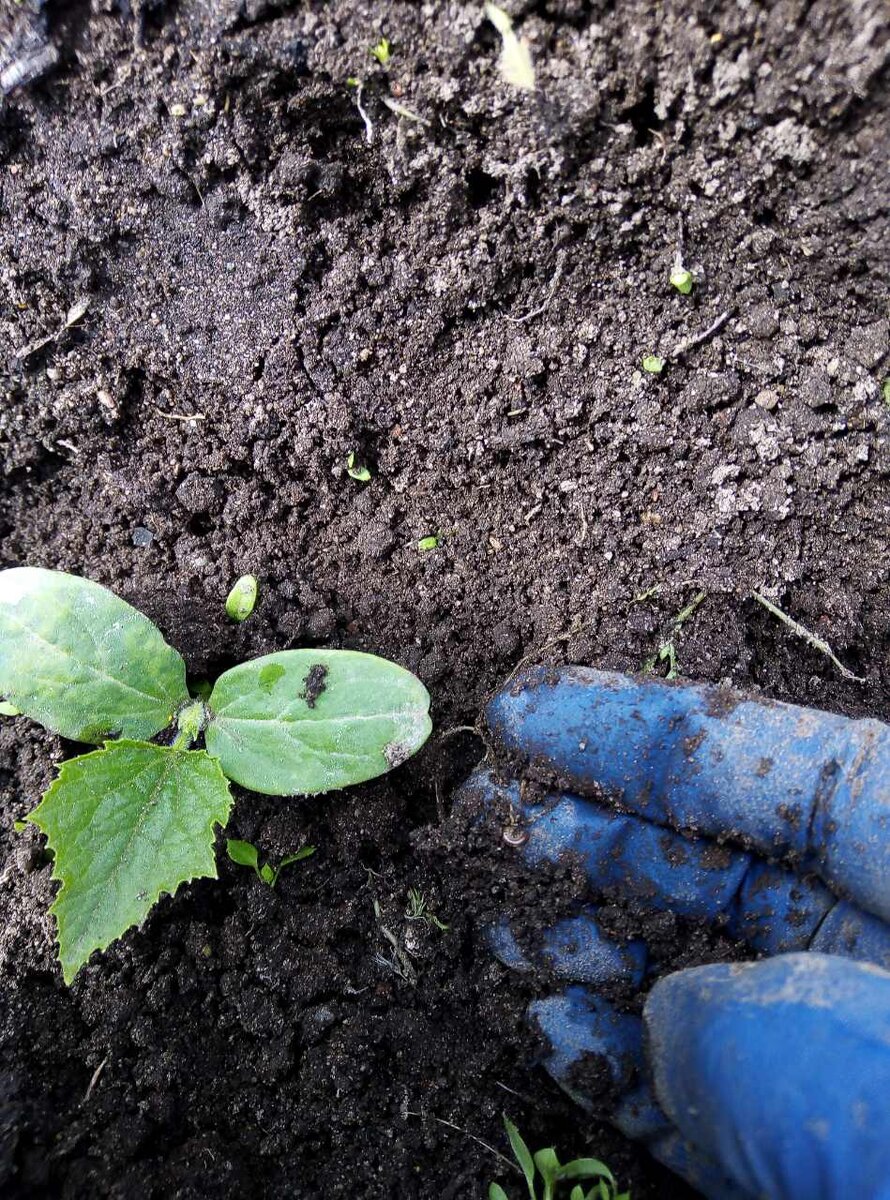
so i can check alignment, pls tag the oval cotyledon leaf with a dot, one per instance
(83, 662)
(302, 722)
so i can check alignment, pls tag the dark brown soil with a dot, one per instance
(462, 303)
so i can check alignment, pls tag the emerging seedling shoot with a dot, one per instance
(137, 817)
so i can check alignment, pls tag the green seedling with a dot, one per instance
(382, 51)
(885, 391)
(546, 1165)
(419, 910)
(136, 818)
(241, 600)
(682, 280)
(8, 710)
(516, 61)
(428, 543)
(653, 364)
(245, 854)
(362, 474)
(667, 647)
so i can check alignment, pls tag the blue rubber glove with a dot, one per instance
(767, 1079)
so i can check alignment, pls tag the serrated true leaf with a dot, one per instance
(309, 721)
(83, 662)
(126, 824)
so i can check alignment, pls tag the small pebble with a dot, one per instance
(142, 537)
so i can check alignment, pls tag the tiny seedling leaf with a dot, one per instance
(83, 662)
(682, 280)
(885, 391)
(241, 600)
(522, 1154)
(516, 60)
(267, 875)
(382, 51)
(653, 364)
(307, 721)
(577, 1192)
(362, 474)
(303, 852)
(126, 824)
(245, 854)
(548, 1164)
(428, 543)
(8, 710)
(586, 1168)
(496, 1192)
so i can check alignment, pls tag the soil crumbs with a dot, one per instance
(220, 278)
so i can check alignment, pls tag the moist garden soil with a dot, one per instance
(219, 280)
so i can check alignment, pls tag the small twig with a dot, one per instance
(479, 1142)
(810, 638)
(173, 416)
(401, 111)
(554, 284)
(680, 256)
(581, 536)
(94, 1080)
(690, 343)
(449, 733)
(369, 125)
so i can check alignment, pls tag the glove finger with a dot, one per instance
(772, 909)
(574, 949)
(595, 1054)
(780, 1070)
(787, 781)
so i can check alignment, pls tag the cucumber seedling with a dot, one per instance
(552, 1172)
(245, 854)
(137, 817)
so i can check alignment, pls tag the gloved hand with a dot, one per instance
(766, 1079)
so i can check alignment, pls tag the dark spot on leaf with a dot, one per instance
(270, 674)
(314, 683)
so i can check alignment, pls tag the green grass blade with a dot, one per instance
(522, 1154)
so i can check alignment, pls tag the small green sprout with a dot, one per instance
(352, 81)
(667, 646)
(419, 910)
(20, 826)
(382, 51)
(552, 1172)
(362, 474)
(135, 818)
(652, 364)
(8, 710)
(245, 854)
(428, 543)
(682, 280)
(885, 391)
(241, 600)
